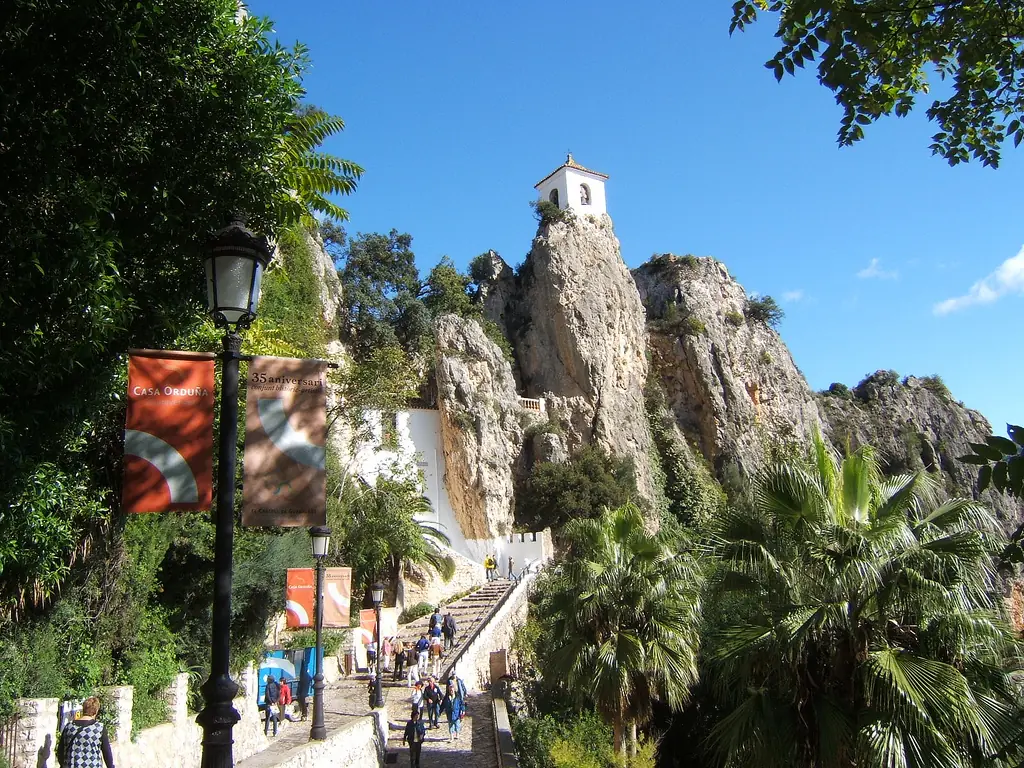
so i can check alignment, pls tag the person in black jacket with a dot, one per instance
(271, 698)
(432, 698)
(415, 734)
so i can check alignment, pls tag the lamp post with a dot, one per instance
(235, 261)
(377, 595)
(321, 539)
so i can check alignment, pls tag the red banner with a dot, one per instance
(285, 443)
(168, 436)
(300, 591)
(300, 597)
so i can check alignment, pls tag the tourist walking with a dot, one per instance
(417, 696)
(490, 565)
(415, 734)
(84, 743)
(286, 699)
(387, 650)
(271, 699)
(511, 569)
(448, 629)
(371, 656)
(432, 699)
(413, 670)
(422, 648)
(454, 707)
(399, 650)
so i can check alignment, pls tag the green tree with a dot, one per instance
(130, 131)
(764, 309)
(865, 628)
(623, 619)
(1000, 463)
(580, 488)
(876, 57)
(383, 526)
(447, 291)
(379, 282)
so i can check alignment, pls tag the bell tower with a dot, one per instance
(571, 186)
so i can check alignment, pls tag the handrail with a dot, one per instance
(446, 670)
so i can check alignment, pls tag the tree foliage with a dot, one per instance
(876, 56)
(764, 309)
(623, 616)
(580, 488)
(130, 130)
(1000, 463)
(865, 627)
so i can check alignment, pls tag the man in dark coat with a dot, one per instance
(415, 734)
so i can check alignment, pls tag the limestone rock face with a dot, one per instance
(327, 275)
(481, 427)
(729, 380)
(580, 339)
(914, 424)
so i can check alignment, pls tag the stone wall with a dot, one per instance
(359, 744)
(175, 744)
(474, 665)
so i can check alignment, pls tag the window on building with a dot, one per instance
(584, 194)
(389, 431)
(553, 197)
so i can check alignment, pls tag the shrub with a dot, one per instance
(547, 212)
(766, 357)
(306, 638)
(552, 426)
(935, 384)
(764, 310)
(480, 268)
(415, 612)
(839, 390)
(732, 317)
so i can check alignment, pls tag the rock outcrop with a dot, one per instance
(728, 378)
(913, 424)
(577, 327)
(481, 427)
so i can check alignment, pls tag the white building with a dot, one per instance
(571, 186)
(410, 446)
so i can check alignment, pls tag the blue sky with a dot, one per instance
(456, 110)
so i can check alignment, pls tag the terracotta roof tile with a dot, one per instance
(569, 163)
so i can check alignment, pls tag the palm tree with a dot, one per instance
(623, 613)
(385, 525)
(859, 626)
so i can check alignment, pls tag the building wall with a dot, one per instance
(567, 181)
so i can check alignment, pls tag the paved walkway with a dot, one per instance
(473, 749)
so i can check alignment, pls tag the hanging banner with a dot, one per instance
(337, 596)
(168, 435)
(300, 600)
(285, 443)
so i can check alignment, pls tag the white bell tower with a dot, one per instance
(573, 186)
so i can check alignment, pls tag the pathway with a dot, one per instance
(473, 749)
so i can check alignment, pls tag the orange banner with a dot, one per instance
(337, 596)
(285, 443)
(168, 435)
(300, 600)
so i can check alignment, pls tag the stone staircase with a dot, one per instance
(469, 612)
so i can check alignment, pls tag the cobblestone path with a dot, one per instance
(473, 749)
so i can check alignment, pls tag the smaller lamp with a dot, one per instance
(377, 594)
(321, 538)
(235, 261)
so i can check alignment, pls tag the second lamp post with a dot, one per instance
(321, 538)
(377, 595)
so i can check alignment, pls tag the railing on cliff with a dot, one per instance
(532, 403)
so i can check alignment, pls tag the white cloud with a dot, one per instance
(1007, 278)
(874, 269)
(793, 296)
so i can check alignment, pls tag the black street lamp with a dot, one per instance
(321, 538)
(377, 595)
(235, 261)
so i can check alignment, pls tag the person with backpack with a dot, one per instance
(432, 700)
(448, 629)
(411, 666)
(84, 742)
(271, 698)
(490, 565)
(399, 650)
(415, 734)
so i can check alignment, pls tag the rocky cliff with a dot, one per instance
(729, 379)
(481, 427)
(577, 327)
